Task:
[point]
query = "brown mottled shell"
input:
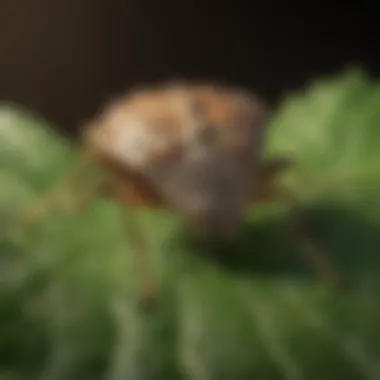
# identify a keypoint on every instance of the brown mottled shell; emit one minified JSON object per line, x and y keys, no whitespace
{"x":198,"y":144}
{"x":145,"y":124}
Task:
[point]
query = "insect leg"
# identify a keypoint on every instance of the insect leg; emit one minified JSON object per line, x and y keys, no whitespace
{"x":266,"y":187}
{"x":313,"y":252}
{"x":269,"y":190}
{"x":147,"y":290}
{"x":146,"y":279}
{"x":49,"y":201}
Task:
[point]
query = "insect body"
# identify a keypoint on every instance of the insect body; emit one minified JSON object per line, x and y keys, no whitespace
{"x":194,"y":148}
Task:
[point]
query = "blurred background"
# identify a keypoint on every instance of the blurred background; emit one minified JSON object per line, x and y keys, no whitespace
{"x":252,"y":310}
{"x":66,"y":58}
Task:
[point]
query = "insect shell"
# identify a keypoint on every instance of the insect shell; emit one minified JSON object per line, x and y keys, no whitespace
{"x":195,"y":148}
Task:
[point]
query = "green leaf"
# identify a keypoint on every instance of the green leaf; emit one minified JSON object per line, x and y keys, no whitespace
{"x":252,"y":310}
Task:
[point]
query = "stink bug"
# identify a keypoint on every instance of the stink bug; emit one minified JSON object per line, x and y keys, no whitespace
{"x":195,"y":148}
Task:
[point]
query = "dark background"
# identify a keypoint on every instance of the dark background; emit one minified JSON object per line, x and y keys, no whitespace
{"x":64,"y":58}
